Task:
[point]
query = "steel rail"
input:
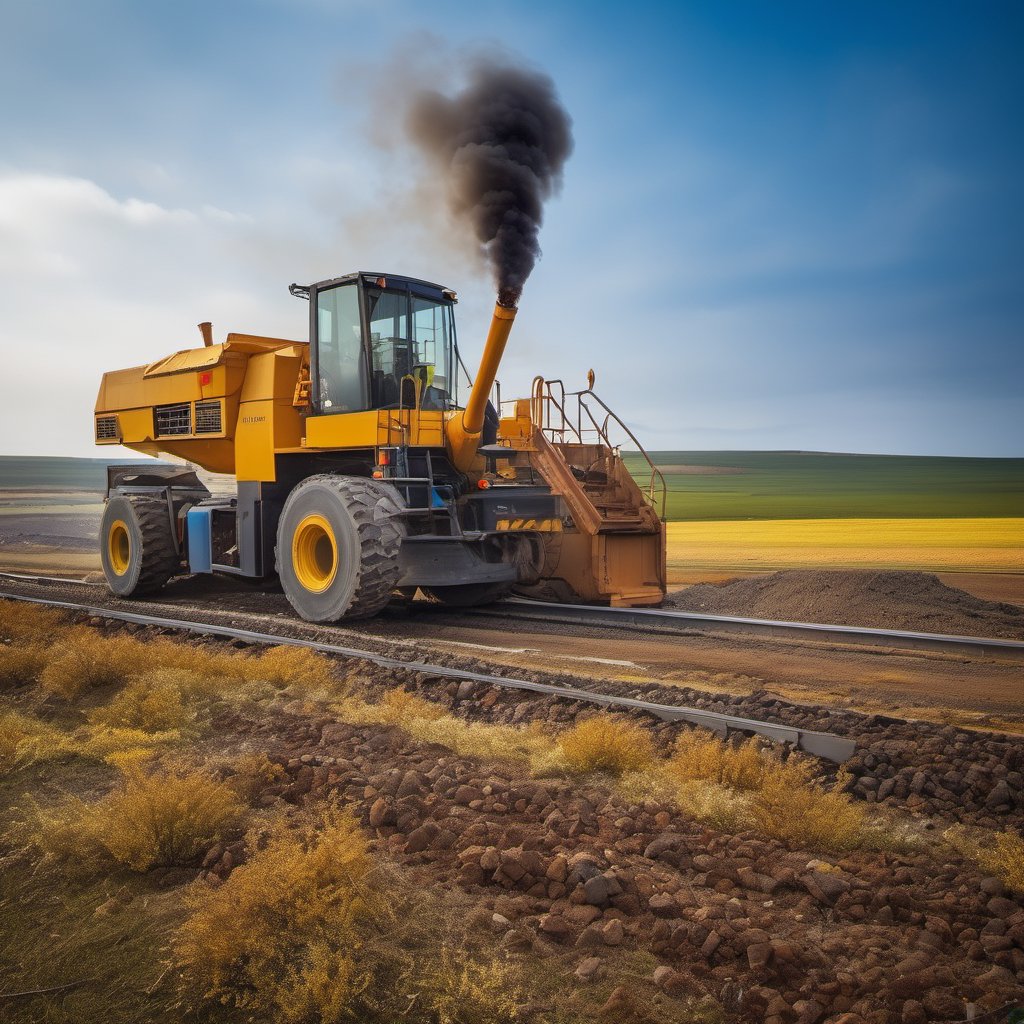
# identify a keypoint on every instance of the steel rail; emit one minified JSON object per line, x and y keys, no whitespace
{"x":822,"y":744}
{"x":681,"y":622}
{"x":665,"y":621}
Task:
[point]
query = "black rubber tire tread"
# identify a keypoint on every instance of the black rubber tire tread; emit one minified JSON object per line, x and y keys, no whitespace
{"x":371,"y":505}
{"x":154,"y":559}
{"x":469,"y":595}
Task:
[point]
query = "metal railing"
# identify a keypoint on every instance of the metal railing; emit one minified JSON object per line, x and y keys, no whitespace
{"x":569,"y":418}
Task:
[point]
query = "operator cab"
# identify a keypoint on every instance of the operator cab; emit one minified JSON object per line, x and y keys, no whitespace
{"x":378,"y":341}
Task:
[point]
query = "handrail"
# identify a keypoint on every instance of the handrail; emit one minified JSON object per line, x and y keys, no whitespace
{"x":544,"y":404}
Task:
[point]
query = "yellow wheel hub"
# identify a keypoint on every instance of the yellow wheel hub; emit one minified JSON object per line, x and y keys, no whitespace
{"x":119,"y":547}
{"x":314,"y":554}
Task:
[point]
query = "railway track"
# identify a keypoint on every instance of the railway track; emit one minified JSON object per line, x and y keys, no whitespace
{"x":662,"y":621}
{"x":825,"y":745}
{"x":687,"y":623}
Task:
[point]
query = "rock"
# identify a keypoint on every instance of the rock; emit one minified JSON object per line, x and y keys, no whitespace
{"x":589,"y":969}
{"x":913,"y":1013}
{"x":758,"y":955}
{"x":997,"y":977}
{"x":667,"y":979}
{"x":592,"y":936}
{"x":599,"y":890}
{"x":490,"y":859}
{"x":663,"y":904}
{"x":519,"y":940}
{"x":808,"y":1011}
{"x":556,"y":927}
{"x":558,"y":869}
{"x":381,"y":813}
{"x":619,"y":1005}
{"x":943,"y":1004}
{"x":999,"y":906}
{"x":500,"y":923}
{"x":710,"y":944}
{"x":465,"y":795}
{"x":999,"y":795}
{"x":824,"y":886}
{"x":421,"y":838}
{"x":613,"y":933}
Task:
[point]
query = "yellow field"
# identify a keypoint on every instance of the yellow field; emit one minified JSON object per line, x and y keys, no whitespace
{"x":932,"y":545}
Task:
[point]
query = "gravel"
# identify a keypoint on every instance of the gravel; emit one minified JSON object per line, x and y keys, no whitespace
{"x":881,"y":600}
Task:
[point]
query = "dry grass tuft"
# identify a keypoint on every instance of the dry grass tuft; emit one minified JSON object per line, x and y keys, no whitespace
{"x":791,"y":807}
{"x":606,"y":744}
{"x":298,"y":668}
{"x":152,"y":703}
{"x":701,"y":756}
{"x":1001,"y":854}
{"x":247,"y":774}
{"x":456,"y":988}
{"x":20,"y":665}
{"x":282,"y":935}
{"x":32,"y":624}
{"x":431,"y":723}
{"x":26,"y":740}
{"x":83,"y":659}
{"x":163,"y":818}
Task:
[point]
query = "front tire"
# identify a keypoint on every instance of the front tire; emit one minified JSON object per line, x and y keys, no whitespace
{"x":137,"y":548}
{"x":338,"y":541}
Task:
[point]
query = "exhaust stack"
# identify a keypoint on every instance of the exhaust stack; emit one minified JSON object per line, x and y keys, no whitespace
{"x":464,"y":430}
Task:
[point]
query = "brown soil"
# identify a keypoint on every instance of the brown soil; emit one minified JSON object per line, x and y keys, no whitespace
{"x":882,"y":600}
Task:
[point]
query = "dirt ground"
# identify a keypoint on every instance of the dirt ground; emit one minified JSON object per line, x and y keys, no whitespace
{"x":881,"y":600}
{"x":977,"y":691}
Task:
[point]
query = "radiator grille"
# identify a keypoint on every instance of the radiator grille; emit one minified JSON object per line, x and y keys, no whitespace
{"x":208,"y":419}
{"x":173,"y":419}
{"x":106,"y":428}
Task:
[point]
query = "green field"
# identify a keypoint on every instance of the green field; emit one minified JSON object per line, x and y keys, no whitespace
{"x":734,"y":485}
{"x":823,"y":485}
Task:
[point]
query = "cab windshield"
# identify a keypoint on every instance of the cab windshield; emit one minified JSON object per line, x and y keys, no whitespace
{"x":411,"y":342}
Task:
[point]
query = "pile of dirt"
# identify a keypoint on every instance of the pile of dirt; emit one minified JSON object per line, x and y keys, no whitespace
{"x":879,"y":600}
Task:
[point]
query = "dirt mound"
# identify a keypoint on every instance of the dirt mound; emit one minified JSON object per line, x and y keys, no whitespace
{"x":881,"y":600}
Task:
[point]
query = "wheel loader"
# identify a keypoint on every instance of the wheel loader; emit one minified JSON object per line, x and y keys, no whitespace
{"x":359,"y":474}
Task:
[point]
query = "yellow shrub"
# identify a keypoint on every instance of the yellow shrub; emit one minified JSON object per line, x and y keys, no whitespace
{"x":298,"y":667}
{"x":250,"y":773}
{"x":24,"y":623}
{"x":1001,"y":854}
{"x":456,"y":988}
{"x":147,"y":820}
{"x":24,"y":740}
{"x":282,"y":935}
{"x":606,"y":744}
{"x":792,"y":808}
{"x":702,"y":756}
{"x":83,"y":659}
{"x":431,"y":723}
{"x":153,"y":703}
{"x":103,"y":742}
{"x":20,"y":664}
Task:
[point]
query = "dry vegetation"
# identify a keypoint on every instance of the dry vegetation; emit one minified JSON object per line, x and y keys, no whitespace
{"x":314,"y":926}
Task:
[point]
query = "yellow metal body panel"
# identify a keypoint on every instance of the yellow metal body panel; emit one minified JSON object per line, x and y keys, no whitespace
{"x":376,"y":428}
{"x":252,"y":377}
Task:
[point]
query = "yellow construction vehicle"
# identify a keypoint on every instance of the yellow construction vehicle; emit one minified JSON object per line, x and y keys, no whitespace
{"x":359,"y":474}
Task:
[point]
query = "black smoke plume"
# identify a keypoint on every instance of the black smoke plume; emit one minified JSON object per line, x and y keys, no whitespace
{"x":501,"y":144}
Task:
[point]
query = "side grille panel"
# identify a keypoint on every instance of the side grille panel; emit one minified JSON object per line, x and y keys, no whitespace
{"x":173,"y":419}
{"x":106,"y":428}
{"x":208,"y":417}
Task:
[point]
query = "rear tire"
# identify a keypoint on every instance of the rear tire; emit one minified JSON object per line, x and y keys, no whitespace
{"x":137,"y":548}
{"x":338,"y":541}
{"x":468,"y":595}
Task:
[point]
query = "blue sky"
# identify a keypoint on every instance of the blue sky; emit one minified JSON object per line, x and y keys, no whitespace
{"x":784,"y":225}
